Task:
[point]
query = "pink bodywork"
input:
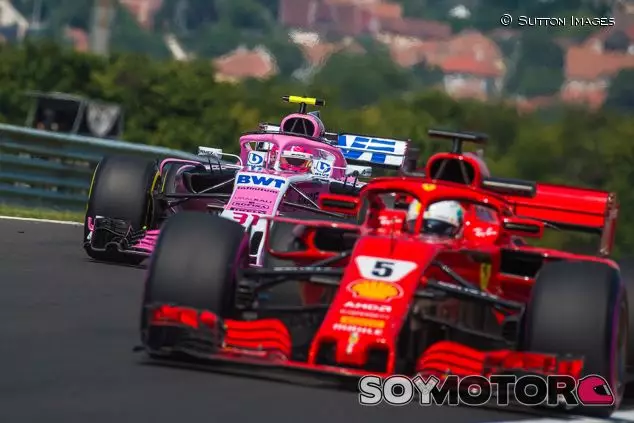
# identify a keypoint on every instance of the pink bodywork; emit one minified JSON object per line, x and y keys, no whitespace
{"x":149,"y":241}
{"x":282,"y":142}
{"x":255,"y":199}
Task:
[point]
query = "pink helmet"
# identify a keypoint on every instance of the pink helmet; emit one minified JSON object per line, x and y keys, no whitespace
{"x":295,"y":159}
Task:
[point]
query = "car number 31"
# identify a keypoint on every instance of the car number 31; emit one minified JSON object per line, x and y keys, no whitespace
{"x":381,"y":269}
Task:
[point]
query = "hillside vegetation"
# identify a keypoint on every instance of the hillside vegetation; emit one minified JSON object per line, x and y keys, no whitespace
{"x":179,"y":105}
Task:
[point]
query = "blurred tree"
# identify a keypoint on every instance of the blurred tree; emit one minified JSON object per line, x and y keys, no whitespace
{"x":621,"y":92}
{"x":183,"y":16}
{"x":539,"y":70}
{"x":180,"y":105}
{"x":363,"y":78}
{"x":215,"y":40}
{"x":288,"y":56}
{"x":617,"y":41}
{"x":246,"y":14}
{"x":58,"y":13}
{"x":128,"y":36}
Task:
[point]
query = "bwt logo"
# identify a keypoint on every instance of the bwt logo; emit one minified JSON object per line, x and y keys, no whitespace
{"x":377,"y":147}
{"x":260,"y":181}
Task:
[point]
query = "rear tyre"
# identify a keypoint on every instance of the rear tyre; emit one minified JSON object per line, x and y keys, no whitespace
{"x":121,"y":189}
{"x":580,"y":308}
{"x":194,"y":265}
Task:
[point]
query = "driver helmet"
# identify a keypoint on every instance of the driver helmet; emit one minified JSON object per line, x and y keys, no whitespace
{"x":444,"y":218}
{"x":296,"y":159}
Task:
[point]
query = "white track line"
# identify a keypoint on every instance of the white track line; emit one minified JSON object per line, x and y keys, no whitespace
{"x":624,"y":415}
{"x":32,"y":219}
{"x":618,"y":417}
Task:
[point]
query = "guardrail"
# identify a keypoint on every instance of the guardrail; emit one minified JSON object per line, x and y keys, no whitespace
{"x":48,"y":169}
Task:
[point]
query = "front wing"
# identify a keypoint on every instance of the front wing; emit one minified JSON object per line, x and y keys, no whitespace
{"x":267,"y":343}
{"x":118,"y":237}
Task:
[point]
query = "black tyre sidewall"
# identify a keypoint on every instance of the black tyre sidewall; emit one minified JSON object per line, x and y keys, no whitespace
{"x":627,"y":276}
{"x":195,"y":263}
{"x":121,"y":189}
{"x":575,"y":309}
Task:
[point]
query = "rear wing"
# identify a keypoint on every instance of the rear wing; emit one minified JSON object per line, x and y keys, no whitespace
{"x":567,"y":208}
{"x":365,"y":150}
{"x":376,"y":152}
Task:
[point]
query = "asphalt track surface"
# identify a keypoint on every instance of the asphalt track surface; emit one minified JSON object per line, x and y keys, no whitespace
{"x":67,"y":329}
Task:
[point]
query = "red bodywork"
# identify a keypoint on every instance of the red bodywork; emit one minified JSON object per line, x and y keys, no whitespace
{"x":367,"y":316}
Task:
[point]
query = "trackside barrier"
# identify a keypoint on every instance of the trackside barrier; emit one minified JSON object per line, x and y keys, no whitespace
{"x":48,"y":169}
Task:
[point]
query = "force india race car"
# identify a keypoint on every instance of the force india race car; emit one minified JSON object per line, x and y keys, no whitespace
{"x":280,"y":170}
{"x":381,"y":297}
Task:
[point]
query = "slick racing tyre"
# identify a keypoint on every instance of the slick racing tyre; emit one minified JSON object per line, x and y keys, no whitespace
{"x":194,"y":265}
{"x":580,"y":308}
{"x":121,"y":189}
{"x":627,"y":276}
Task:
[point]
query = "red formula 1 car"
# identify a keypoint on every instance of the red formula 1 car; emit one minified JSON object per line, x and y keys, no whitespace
{"x":384,"y":297}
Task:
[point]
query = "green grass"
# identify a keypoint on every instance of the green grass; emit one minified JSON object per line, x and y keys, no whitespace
{"x":17,"y":211}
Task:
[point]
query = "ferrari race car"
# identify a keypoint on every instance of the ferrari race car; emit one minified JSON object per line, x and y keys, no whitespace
{"x":384,"y":296}
{"x":280,"y":170}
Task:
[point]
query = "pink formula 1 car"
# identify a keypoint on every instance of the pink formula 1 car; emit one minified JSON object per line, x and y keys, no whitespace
{"x":281,"y":170}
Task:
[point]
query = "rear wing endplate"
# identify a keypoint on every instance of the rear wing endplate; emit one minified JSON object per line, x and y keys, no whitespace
{"x":376,"y":152}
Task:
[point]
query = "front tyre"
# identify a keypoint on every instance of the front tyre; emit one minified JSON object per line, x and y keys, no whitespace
{"x":121,"y":189}
{"x":194,"y":265}
{"x":580,"y":308}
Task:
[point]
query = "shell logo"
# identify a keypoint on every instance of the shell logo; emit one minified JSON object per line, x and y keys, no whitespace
{"x":375,"y":290}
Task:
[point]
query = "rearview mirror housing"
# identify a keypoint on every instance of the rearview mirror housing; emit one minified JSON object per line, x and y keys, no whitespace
{"x":363,"y":171}
{"x":518,"y":226}
{"x":336,"y":203}
{"x":209,"y":151}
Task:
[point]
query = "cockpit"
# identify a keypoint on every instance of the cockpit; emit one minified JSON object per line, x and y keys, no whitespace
{"x":285,"y":156}
{"x":440,"y":217}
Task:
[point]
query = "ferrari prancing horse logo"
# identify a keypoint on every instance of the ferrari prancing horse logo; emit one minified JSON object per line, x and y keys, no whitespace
{"x":485,"y":275}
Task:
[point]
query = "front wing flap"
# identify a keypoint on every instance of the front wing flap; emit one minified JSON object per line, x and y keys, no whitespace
{"x":451,"y":358}
{"x":118,"y":236}
{"x":268,"y":343}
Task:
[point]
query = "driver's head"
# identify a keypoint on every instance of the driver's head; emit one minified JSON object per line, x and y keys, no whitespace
{"x":444,"y":218}
{"x":296,"y":159}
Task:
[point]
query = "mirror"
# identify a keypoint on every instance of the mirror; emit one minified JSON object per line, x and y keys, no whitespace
{"x":336,"y":203}
{"x":518,"y":226}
